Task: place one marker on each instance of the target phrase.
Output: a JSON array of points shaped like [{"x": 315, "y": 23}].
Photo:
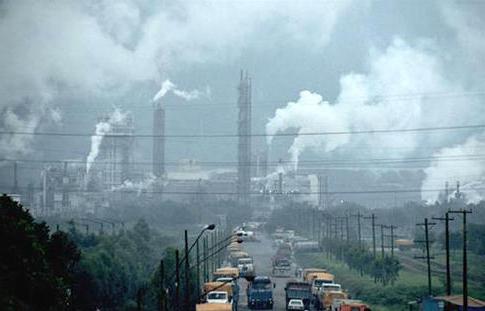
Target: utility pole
[
  {"x": 177, "y": 280},
  {"x": 359, "y": 232},
  {"x": 373, "y": 219},
  {"x": 464, "y": 212},
  {"x": 347, "y": 229},
  {"x": 205, "y": 254},
  {"x": 428, "y": 258},
  {"x": 186, "y": 273},
  {"x": 341, "y": 228},
  {"x": 447, "y": 220},
  {"x": 163, "y": 305},
  {"x": 392, "y": 239},
  {"x": 197, "y": 254},
  {"x": 382, "y": 239}
]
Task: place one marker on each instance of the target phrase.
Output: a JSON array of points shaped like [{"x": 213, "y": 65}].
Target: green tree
[{"x": 35, "y": 266}]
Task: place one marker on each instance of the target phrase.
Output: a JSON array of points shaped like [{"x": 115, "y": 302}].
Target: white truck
[
  {"x": 245, "y": 266},
  {"x": 218, "y": 297}
]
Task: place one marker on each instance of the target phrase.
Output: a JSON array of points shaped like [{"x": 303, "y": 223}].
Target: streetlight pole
[
  {"x": 198, "y": 268},
  {"x": 186, "y": 273},
  {"x": 177, "y": 281}
]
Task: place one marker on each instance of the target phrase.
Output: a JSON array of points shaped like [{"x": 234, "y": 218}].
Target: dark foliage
[{"x": 35, "y": 266}]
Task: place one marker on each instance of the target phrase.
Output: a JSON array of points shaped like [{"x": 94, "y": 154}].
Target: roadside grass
[{"x": 408, "y": 287}]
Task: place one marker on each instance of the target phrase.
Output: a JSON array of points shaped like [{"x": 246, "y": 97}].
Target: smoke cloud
[
  {"x": 455, "y": 164},
  {"x": 405, "y": 87},
  {"x": 97, "y": 47},
  {"x": 139, "y": 186},
  {"x": 168, "y": 86},
  {"x": 103, "y": 128}
]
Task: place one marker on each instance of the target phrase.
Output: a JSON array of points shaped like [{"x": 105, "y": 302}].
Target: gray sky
[{"x": 64, "y": 63}]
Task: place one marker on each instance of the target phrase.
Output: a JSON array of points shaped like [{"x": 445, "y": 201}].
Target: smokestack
[
  {"x": 457, "y": 194},
  {"x": 244, "y": 143},
  {"x": 158, "y": 155}
]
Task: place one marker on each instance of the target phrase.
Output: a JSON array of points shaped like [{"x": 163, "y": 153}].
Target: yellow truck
[
  {"x": 226, "y": 272},
  {"x": 318, "y": 279},
  {"x": 307, "y": 271},
  {"x": 234, "y": 247},
  {"x": 216, "y": 288},
  {"x": 234, "y": 257},
  {"x": 327, "y": 298},
  {"x": 213, "y": 307}
]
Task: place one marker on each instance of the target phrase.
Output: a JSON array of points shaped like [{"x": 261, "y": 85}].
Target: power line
[
  {"x": 329, "y": 133},
  {"x": 452, "y": 158},
  {"x": 264, "y": 103},
  {"x": 384, "y": 191}
]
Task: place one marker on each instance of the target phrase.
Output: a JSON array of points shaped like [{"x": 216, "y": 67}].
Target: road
[{"x": 262, "y": 252}]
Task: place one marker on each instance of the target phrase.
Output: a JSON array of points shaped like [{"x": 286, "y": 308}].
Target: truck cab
[
  {"x": 245, "y": 266},
  {"x": 260, "y": 293},
  {"x": 218, "y": 297}
]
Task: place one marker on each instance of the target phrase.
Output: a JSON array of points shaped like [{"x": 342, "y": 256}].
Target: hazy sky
[{"x": 379, "y": 64}]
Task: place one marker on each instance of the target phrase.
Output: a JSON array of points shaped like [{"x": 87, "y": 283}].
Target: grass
[{"x": 408, "y": 287}]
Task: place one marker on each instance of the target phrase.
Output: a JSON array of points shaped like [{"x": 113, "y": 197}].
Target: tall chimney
[
  {"x": 244, "y": 140},
  {"x": 158, "y": 156}
]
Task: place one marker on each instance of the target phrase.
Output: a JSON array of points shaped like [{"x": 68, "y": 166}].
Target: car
[{"x": 295, "y": 304}]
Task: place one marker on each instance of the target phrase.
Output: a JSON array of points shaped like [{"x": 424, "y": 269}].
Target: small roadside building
[{"x": 451, "y": 303}]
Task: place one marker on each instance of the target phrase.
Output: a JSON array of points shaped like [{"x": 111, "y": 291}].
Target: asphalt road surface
[{"x": 262, "y": 252}]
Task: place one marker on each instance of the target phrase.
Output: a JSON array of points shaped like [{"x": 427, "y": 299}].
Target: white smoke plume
[
  {"x": 169, "y": 86},
  {"x": 93, "y": 47},
  {"x": 139, "y": 186},
  {"x": 455, "y": 164},
  {"x": 102, "y": 128},
  {"x": 396, "y": 93}
]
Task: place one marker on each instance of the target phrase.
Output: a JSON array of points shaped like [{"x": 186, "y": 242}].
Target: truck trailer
[
  {"x": 260, "y": 293},
  {"x": 299, "y": 290}
]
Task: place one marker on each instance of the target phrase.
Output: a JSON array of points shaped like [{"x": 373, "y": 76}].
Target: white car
[
  {"x": 217, "y": 297},
  {"x": 295, "y": 304}
]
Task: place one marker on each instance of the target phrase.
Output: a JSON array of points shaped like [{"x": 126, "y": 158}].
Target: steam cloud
[
  {"x": 393, "y": 94},
  {"x": 168, "y": 86},
  {"x": 102, "y": 128},
  {"x": 455, "y": 164},
  {"x": 136, "y": 186},
  {"x": 51, "y": 54}
]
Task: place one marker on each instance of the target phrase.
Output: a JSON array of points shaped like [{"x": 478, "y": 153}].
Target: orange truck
[
  {"x": 308, "y": 271},
  {"x": 213, "y": 307},
  {"x": 326, "y": 298},
  {"x": 349, "y": 305},
  {"x": 318, "y": 279},
  {"x": 229, "y": 272},
  {"x": 218, "y": 286}
]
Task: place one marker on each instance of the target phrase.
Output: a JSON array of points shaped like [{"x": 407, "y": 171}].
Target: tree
[{"x": 35, "y": 266}]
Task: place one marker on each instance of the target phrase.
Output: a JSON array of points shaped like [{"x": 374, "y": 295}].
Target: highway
[{"x": 262, "y": 252}]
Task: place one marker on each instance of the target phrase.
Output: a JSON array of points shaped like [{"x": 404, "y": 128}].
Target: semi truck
[
  {"x": 318, "y": 279},
  {"x": 326, "y": 299},
  {"x": 299, "y": 290},
  {"x": 219, "y": 287},
  {"x": 234, "y": 257},
  {"x": 226, "y": 272},
  {"x": 213, "y": 307},
  {"x": 246, "y": 267},
  {"x": 349, "y": 305},
  {"x": 281, "y": 266},
  {"x": 308, "y": 271},
  {"x": 260, "y": 293}
]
